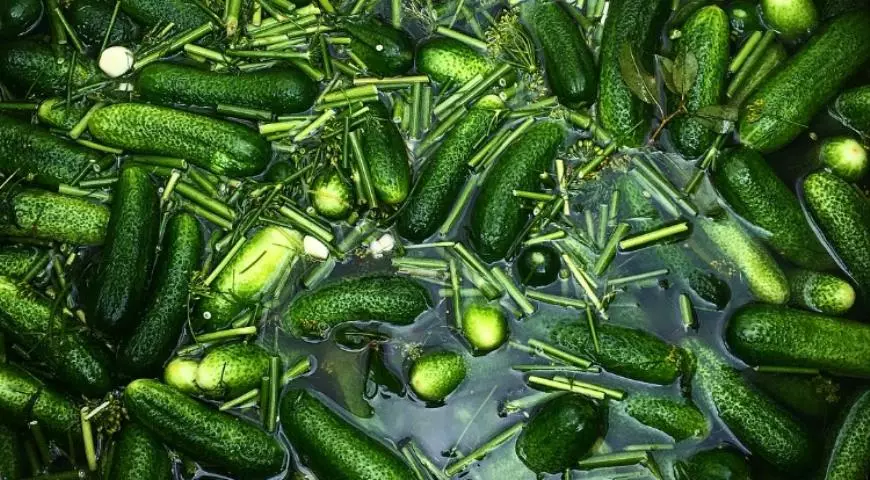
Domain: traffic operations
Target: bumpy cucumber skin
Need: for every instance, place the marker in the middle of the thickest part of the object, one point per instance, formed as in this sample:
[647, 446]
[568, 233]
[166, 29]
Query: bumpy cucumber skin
[678, 418]
[498, 216]
[202, 432]
[16, 261]
[820, 292]
[442, 177]
[776, 114]
[384, 149]
[759, 423]
[721, 463]
[11, 458]
[560, 433]
[773, 57]
[852, 108]
[436, 375]
[763, 334]
[152, 340]
[383, 49]
[35, 152]
[334, 448]
[831, 8]
[385, 298]
[448, 60]
[635, 22]
[227, 371]
[185, 14]
[222, 147]
[706, 36]
[569, 64]
[842, 212]
[18, 17]
[752, 189]
[332, 196]
[24, 398]
[139, 455]
[849, 457]
[284, 90]
[810, 396]
[51, 216]
[792, 19]
[31, 67]
[54, 112]
[91, 19]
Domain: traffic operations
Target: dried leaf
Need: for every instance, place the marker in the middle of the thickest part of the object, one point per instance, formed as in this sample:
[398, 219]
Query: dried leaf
[685, 72]
[641, 83]
[717, 118]
[667, 67]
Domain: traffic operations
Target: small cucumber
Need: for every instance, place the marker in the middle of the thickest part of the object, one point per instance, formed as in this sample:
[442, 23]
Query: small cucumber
[442, 177]
[721, 463]
[384, 149]
[196, 429]
[91, 20]
[813, 397]
[184, 14]
[35, 68]
[225, 371]
[119, 286]
[166, 310]
[12, 465]
[538, 265]
[435, 375]
[222, 147]
[15, 262]
[279, 90]
[384, 50]
[845, 157]
[334, 448]
[75, 359]
[820, 292]
[484, 326]
[332, 196]
[55, 112]
[139, 455]
[679, 419]
[447, 60]
[19, 17]
[251, 275]
[498, 215]
[763, 334]
[51, 216]
[849, 457]
[384, 298]
[773, 57]
[852, 108]
[560, 433]
[24, 398]
[791, 19]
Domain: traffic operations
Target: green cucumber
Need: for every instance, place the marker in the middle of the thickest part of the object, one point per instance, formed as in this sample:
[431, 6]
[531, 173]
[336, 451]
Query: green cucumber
[849, 457]
[809, 396]
[384, 50]
[435, 375]
[75, 359]
[11, 455]
[15, 262]
[842, 213]
[778, 111]
[446, 60]
[484, 326]
[139, 455]
[279, 90]
[844, 156]
[384, 298]
[831, 8]
[820, 292]
[51, 216]
[720, 463]
[19, 17]
[184, 14]
[387, 156]
[680, 419]
[166, 311]
[36, 153]
[55, 112]
[774, 56]
[332, 196]
[334, 448]
[250, 276]
[91, 20]
[538, 265]
[763, 334]
[222, 147]
[750, 186]
[24, 398]
[852, 108]
[498, 215]
[791, 19]
[635, 23]
[443, 176]
[35, 68]
[225, 371]
[560, 433]
[761, 425]
[203, 433]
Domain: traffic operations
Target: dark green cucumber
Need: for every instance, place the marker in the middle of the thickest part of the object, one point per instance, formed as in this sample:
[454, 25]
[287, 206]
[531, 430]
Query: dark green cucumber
[91, 19]
[36, 153]
[280, 90]
[15, 262]
[52, 216]
[446, 60]
[203, 433]
[750, 186]
[35, 68]
[384, 149]
[55, 112]
[568, 62]
[637, 24]
[778, 112]
[384, 298]
[498, 215]
[560, 433]
[24, 398]
[18, 17]
[139, 455]
[332, 195]
[763, 334]
[774, 56]
[538, 265]
[831, 8]
[680, 419]
[385, 50]
[706, 36]
[435, 375]
[756, 421]
[184, 14]
[166, 312]
[334, 448]
[229, 370]
[117, 292]
[720, 463]
[792, 20]
[852, 108]
[11, 455]
[849, 457]
[222, 147]
[810, 396]
[75, 359]
[442, 177]
[842, 213]
[820, 292]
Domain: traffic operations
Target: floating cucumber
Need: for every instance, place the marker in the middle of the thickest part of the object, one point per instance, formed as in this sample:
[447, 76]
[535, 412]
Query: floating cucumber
[331, 195]
[435, 375]
[387, 156]
[383, 49]
[51, 216]
[225, 371]
[820, 292]
[19, 17]
[35, 68]
[809, 396]
[721, 463]
[792, 19]
[484, 326]
[680, 419]
[845, 157]
[91, 20]
[184, 14]
[55, 112]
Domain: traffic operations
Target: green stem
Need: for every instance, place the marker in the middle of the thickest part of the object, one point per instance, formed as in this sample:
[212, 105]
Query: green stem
[610, 392]
[225, 334]
[512, 291]
[537, 196]
[749, 67]
[168, 162]
[406, 81]
[242, 399]
[461, 37]
[18, 106]
[791, 370]
[544, 238]
[188, 191]
[298, 369]
[637, 278]
[744, 52]
[225, 261]
[566, 386]
[593, 330]
[455, 284]
[609, 251]
[533, 367]
[314, 125]
[244, 112]
[424, 263]
[584, 283]
[70, 32]
[500, 148]
[687, 312]
[561, 355]
[208, 215]
[443, 127]
[306, 223]
[459, 206]
[617, 459]
[555, 299]
[98, 147]
[529, 401]
[88, 439]
[363, 171]
[231, 17]
[274, 384]
[484, 449]
[647, 238]
[78, 192]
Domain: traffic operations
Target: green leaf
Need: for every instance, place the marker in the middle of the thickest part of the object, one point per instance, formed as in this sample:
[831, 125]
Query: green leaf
[667, 67]
[641, 83]
[685, 72]
[718, 118]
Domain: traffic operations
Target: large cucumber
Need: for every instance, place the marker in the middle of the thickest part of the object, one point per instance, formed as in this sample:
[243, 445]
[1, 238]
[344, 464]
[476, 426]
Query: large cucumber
[384, 149]
[139, 455]
[450, 61]
[849, 457]
[24, 398]
[813, 397]
[30, 67]
[852, 108]
[184, 14]
[385, 50]
[51, 216]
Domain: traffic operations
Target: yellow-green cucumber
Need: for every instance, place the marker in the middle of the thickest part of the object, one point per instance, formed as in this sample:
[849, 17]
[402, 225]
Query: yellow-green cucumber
[435, 375]
[820, 292]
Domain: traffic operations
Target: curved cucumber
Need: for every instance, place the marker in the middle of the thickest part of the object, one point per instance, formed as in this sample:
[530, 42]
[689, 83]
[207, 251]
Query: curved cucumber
[16, 261]
[11, 456]
[387, 156]
[680, 419]
[773, 57]
[30, 67]
[185, 14]
[447, 60]
[18, 17]
[809, 396]
[51, 216]
[24, 398]
[852, 108]
[91, 19]
[383, 49]
[849, 457]
[139, 455]
[55, 112]
[820, 292]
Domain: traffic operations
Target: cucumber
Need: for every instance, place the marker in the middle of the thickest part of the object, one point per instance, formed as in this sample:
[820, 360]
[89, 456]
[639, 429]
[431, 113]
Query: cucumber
[385, 51]
[91, 20]
[812, 397]
[774, 335]
[251, 275]
[185, 14]
[203, 433]
[19, 17]
[484, 326]
[75, 359]
[774, 56]
[446, 60]
[34, 68]
[721, 463]
[15, 262]
[497, 215]
[820, 292]
[435, 375]
[116, 294]
[442, 177]
[180, 374]
[229, 370]
[842, 213]
[706, 36]
[51, 216]
[761, 425]
[55, 112]
[384, 149]
[750, 186]
[38, 154]
[24, 398]
[334, 448]
[166, 311]
[11, 455]
[791, 19]
[777, 112]
[680, 419]
[852, 108]
[277, 90]
[636, 23]
[560, 433]
[569, 65]
[384, 298]
[832, 8]
[331, 195]
[845, 157]
[139, 455]
[222, 147]
[849, 457]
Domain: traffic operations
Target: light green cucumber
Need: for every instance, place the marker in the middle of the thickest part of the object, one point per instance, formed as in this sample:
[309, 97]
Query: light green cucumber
[435, 375]
[791, 19]
[820, 292]
[447, 60]
[844, 156]
[849, 457]
[15, 262]
[680, 419]
[484, 326]
[51, 216]
[24, 398]
[852, 108]
[139, 455]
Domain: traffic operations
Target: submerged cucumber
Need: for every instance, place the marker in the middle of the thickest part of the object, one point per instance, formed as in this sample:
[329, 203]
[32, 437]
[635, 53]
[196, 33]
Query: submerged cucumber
[436, 375]
[51, 216]
[19, 17]
[680, 419]
[35, 68]
[809, 396]
[820, 292]
[387, 156]
[139, 455]
[849, 457]
[184, 14]
[24, 398]
[852, 108]
[55, 112]
[450, 61]
[721, 463]
[384, 50]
